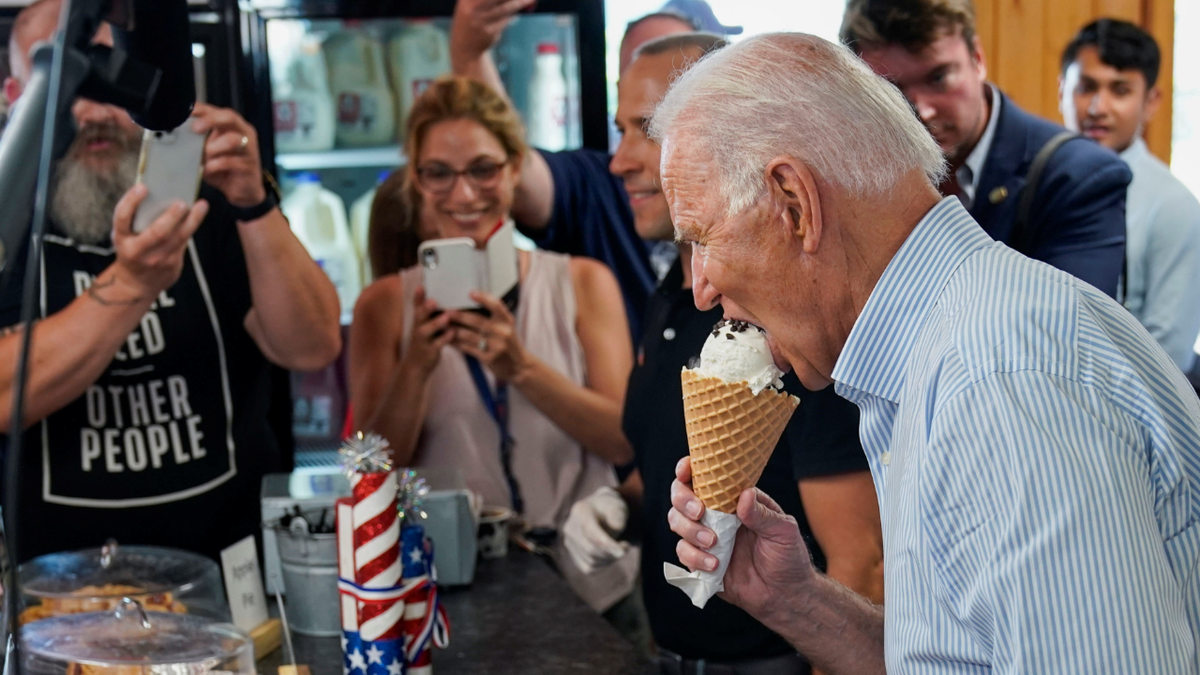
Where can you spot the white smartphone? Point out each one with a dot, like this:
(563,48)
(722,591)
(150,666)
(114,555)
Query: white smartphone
(450,271)
(170,166)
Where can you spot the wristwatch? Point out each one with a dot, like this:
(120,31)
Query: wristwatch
(248,213)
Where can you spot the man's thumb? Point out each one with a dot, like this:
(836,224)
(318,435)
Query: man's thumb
(761,514)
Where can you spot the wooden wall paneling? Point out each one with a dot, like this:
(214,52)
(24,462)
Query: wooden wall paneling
(1129,10)
(1020,37)
(1023,40)
(985,28)
(1159,20)
(1063,20)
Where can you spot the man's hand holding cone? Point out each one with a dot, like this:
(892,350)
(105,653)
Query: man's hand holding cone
(769,563)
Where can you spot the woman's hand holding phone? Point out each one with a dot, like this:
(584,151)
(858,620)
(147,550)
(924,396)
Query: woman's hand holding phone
(431,331)
(491,339)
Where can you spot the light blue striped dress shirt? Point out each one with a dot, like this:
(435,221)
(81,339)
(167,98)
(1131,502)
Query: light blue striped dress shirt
(1037,460)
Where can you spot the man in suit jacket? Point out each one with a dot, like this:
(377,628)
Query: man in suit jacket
(929,49)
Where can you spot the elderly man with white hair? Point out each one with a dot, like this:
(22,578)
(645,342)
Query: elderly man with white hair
(1035,452)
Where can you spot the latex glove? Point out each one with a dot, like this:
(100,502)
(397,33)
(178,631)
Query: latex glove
(588,532)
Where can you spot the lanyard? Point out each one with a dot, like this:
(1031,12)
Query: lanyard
(497,406)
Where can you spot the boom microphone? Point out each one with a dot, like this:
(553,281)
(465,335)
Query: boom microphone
(155,32)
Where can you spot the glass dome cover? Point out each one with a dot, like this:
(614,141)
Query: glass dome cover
(131,640)
(160,579)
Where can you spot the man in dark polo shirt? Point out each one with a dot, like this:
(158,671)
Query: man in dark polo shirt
(818,471)
(568,201)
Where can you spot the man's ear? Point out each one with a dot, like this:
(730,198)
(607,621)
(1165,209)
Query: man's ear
(12,90)
(1153,100)
(978,56)
(795,199)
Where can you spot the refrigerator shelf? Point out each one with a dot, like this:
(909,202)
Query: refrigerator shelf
(342,158)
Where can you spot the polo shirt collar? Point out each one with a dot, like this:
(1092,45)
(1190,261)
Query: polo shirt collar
(875,355)
(1136,151)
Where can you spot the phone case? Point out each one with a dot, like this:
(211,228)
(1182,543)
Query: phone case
(450,271)
(170,166)
(501,261)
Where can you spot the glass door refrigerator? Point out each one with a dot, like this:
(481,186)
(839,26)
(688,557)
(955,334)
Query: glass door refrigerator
(328,84)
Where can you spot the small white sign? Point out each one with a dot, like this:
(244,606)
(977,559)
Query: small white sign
(244,585)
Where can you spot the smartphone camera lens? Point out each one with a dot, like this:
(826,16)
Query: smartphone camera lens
(429,258)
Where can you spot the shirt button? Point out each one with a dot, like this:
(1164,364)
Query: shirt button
(886,458)
(669,334)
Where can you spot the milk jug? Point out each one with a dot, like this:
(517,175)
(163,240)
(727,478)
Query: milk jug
(318,219)
(358,79)
(360,227)
(417,55)
(548,100)
(303,109)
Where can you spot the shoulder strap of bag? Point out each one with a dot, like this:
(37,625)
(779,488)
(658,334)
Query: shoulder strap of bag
(1020,232)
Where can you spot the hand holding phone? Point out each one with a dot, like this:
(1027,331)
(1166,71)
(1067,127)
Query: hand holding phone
(170,166)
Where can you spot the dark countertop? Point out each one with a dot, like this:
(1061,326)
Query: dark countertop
(518,617)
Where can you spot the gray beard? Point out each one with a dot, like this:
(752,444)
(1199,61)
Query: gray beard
(83,200)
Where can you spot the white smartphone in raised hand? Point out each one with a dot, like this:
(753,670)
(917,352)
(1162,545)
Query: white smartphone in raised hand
(170,166)
(450,271)
(452,268)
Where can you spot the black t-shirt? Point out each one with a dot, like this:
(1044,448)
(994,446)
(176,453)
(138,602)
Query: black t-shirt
(821,439)
(169,445)
(591,217)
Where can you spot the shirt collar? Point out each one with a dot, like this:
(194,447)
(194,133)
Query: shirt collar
(875,355)
(1135,151)
(972,169)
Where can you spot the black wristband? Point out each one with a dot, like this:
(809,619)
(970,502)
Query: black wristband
(246,214)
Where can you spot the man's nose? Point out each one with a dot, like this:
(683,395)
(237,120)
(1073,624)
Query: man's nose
(86,110)
(1097,104)
(705,296)
(925,111)
(622,162)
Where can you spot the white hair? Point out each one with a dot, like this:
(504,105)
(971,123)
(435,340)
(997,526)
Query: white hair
(796,94)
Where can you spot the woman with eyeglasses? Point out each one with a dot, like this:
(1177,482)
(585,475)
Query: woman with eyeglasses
(526,403)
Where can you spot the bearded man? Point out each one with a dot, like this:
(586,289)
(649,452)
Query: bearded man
(146,412)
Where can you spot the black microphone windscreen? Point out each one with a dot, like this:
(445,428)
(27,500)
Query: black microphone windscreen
(157,33)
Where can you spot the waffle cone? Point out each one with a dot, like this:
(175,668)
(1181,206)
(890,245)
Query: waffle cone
(731,435)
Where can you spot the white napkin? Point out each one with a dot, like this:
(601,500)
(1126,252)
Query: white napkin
(701,585)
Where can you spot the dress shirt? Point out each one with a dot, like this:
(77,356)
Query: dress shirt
(1163,249)
(1037,460)
(968,174)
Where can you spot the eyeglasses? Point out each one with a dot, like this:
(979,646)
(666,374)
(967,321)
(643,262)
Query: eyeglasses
(438,178)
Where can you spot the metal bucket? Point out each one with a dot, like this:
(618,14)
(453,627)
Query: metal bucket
(310,574)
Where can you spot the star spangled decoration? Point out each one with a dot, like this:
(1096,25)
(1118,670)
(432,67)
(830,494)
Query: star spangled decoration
(357,662)
(375,655)
(415,556)
(386,657)
(411,496)
(365,453)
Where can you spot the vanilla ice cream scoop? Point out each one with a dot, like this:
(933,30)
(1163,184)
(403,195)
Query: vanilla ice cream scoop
(737,352)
